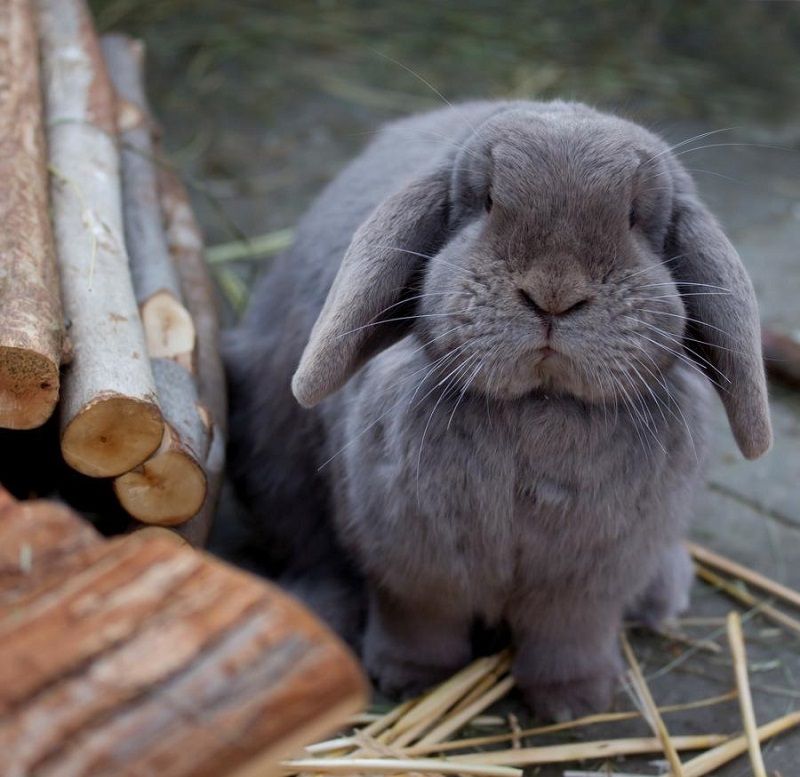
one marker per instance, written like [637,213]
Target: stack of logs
[102,272]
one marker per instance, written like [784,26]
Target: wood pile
[166,660]
[106,306]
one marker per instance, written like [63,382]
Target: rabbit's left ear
[725,316]
[384,256]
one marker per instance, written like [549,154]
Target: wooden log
[168,327]
[31,322]
[185,240]
[186,247]
[169,662]
[781,356]
[109,412]
[170,486]
[41,541]
[196,530]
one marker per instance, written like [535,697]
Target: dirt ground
[262,103]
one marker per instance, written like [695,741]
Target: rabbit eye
[488,204]
[632,218]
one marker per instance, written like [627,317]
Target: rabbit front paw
[399,677]
[563,701]
[407,649]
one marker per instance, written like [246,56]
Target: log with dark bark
[185,240]
[186,247]
[139,656]
[782,356]
[31,322]
[109,411]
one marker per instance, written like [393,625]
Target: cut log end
[112,435]
[168,489]
[161,531]
[28,388]
[168,327]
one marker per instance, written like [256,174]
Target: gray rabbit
[506,316]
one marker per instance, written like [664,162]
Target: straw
[707,762]
[738,651]
[395,766]
[606,748]
[653,716]
[764,608]
[735,569]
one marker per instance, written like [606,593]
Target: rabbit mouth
[545,352]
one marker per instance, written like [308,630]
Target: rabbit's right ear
[385,254]
[723,316]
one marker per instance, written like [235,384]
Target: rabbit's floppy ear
[385,254]
[725,316]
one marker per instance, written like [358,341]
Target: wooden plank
[167,661]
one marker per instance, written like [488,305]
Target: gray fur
[456,468]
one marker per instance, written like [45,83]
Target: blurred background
[263,102]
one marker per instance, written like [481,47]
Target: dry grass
[426,735]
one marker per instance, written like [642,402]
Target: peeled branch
[109,412]
[31,322]
[167,324]
[170,487]
[186,247]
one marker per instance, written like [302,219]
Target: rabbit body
[462,475]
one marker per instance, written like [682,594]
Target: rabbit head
[557,249]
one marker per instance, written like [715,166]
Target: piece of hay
[725,752]
[739,654]
[711,559]
[652,714]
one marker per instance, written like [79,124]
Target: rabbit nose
[559,305]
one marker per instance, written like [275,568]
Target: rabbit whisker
[683,283]
[628,402]
[430,370]
[658,375]
[686,142]
[679,343]
[648,269]
[686,318]
[697,340]
[681,295]
[649,388]
[402,318]
[451,378]
[424,256]
[469,382]
[443,363]
[648,413]
[421,296]
[686,360]
[725,145]
[424,81]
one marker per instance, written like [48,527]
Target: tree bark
[170,486]
[168,327]
[31,322]
[110,416]
[185,241]
[168,662]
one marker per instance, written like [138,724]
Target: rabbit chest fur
[445,496]
[478,381]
